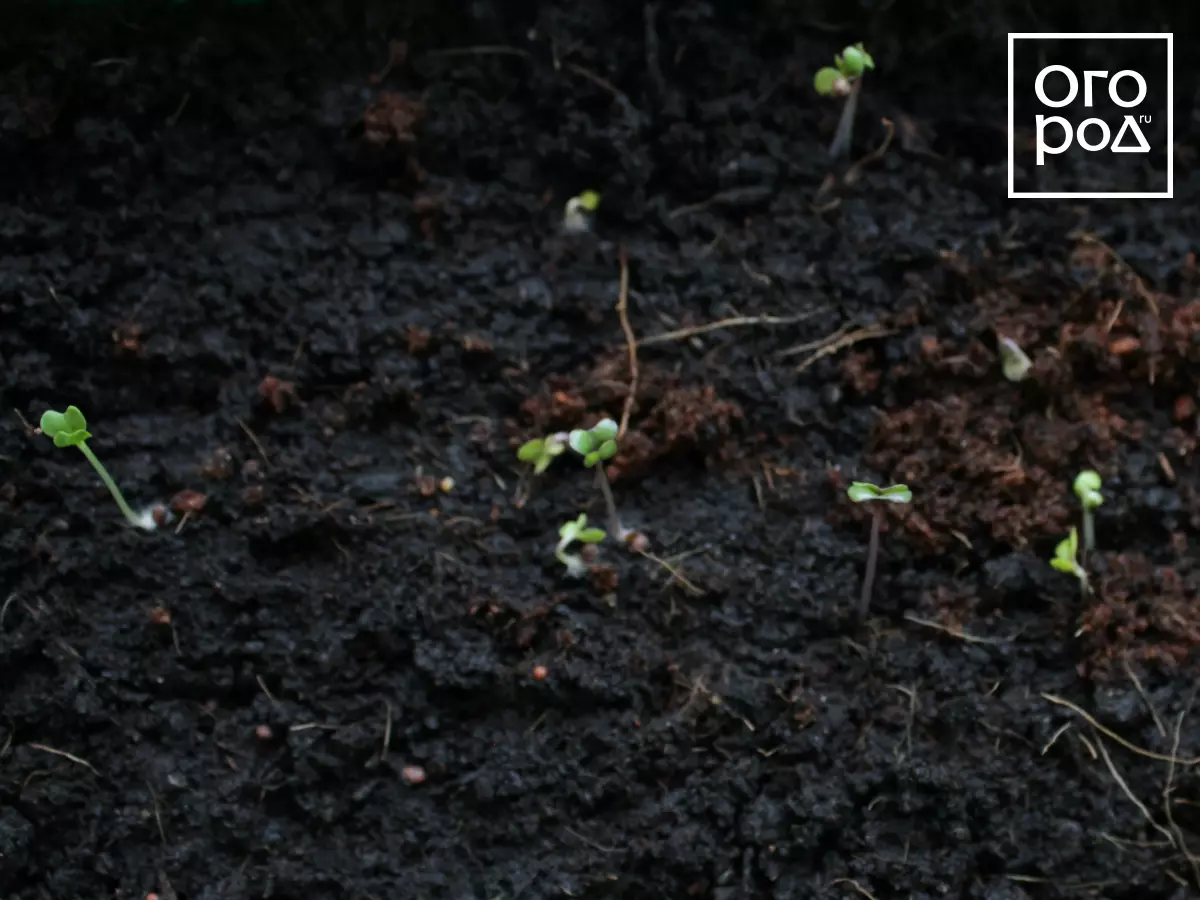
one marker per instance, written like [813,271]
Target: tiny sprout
[576,531]
[578,212]
[596,444]
[69,429]
[863,492]
[542,451]
[1013,361]
[1066,560]
[844,79]
[1087,489]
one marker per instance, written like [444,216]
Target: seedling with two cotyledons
[844,79]
[865,492]
[69,429]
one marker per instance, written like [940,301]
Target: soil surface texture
[305,271]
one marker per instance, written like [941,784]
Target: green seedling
[580,211]
[1013,361]
[69,429]
[543,451]
[576,532]
[864,492]
[844,79]
[597,445]
[1087,489]
[1066,559]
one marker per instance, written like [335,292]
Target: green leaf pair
[67,428]
[863,491]
[578,531]
[1066,557]
[849,65]
[542,451]
[1087,489]
[596,444]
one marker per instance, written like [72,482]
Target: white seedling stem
[845,129]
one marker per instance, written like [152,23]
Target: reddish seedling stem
[864,601]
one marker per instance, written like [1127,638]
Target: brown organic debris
[392,119]
[279,394]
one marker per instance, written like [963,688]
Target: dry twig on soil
[846,336]
[682,334]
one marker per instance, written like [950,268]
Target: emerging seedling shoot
[1013,360]
[580,211]
[1087,489]
[1066,559]
[863,492]
[576,532]
[844,79]
[69,429]
[543,451]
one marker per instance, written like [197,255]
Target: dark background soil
[195,201]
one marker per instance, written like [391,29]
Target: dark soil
[309,289]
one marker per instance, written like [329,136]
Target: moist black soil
[304,272]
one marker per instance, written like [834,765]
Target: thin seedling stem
[614,523]
[1089,533]
[845,129]
[864,601]
[129,514]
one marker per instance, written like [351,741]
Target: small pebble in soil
[252,496]
[160,615]
[264,732]
[188,501]
[276,392]
[540,673]
[413,774]
[1119,705]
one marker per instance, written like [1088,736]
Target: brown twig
[853,173]
[854,884]
[1125,789]
[1112,735]
[387,731]
[65,755]
[954,632]
[255,441]
[1166,795]
[841,339]
[681,334]
[630,342]
[676,574]
[162,832]
[1137,683]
